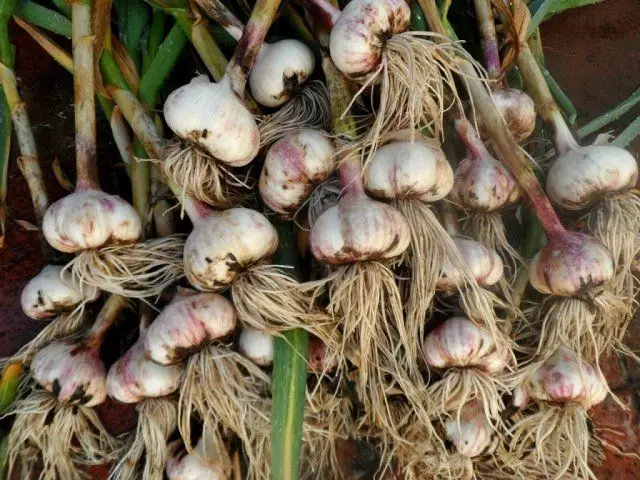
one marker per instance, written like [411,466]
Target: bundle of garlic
[55,423]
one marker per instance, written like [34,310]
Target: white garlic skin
[74,373]
[359,229]
[484,185]
[460,343]
[518,110]
[205,463]
[256,346]
[563,378]
[470,432]
[224,244]
[280,69]
[90,219]
[187,324]
[575,264]
[135,376]
[293,167]
[210,115]
[53,291]
[358,37]
[485,265]
[584,174]
[409,170]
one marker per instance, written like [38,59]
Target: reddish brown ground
[594,54]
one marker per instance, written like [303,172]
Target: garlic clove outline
[52,291]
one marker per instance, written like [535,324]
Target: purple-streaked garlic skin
[470,432]
[483,185]
[460,343]
[485,265]
[72,372]
[211,116]
[256,346]
[53,291]
[90,219]
[571,265]
[518,110]
[205,463]
[293,167]
[224,244]
[403,169]
[358,37]
[135,376]
[187,324]
[280,70]
[583,174]
[359,229]
[563,378]
[319,359]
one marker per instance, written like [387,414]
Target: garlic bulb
[212,117]
[359,229]
[570,265]
[52,291]
[72,372]
[563,378]
[583,174]
[469,431]
[135,376]
[358,36]
[206,462]
[460,343]
[187,324]
[319,360]
[293,167]
[409,170]
[518,110]
[485,265]
[223,244]
[280,69]
[90,219]
[256,346]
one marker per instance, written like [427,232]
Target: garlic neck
[562,136]
[197,211]
[106,318]
[471,140]
[351,177]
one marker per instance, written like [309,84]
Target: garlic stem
[471,140]
[108,315]
[84,103]
[487,27]
[432,16]
[263,14]
[324,11]
[219,12]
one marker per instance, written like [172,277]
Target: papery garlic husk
[188,323]
[471,360]
[135,376]
[209,461]
[53,440]
[226,391]
[157,420]
[469,431]
[293,167]
[73,372]
[369,42]
[517,109]
[220,133]
[558,434]
[571,265]
[280,70]
[90,219]
[54,291]
[256,346]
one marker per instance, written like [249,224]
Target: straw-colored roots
[226,392]
[202,177]
[271,301]
[488,229]
[141,270]
[61,436]
[157,419]
[445,466]
[555,440]
[325,196]
[417,84]
[459,386]
[308,109]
